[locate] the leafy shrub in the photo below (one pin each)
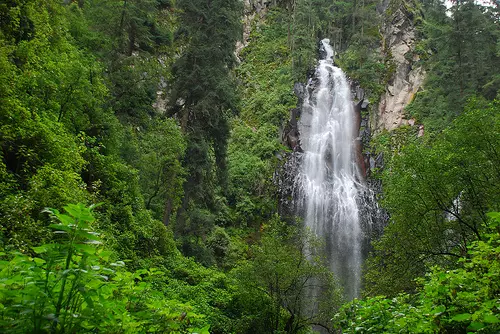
(463, 300)
(71, 286)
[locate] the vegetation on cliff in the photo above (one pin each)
(141, 112)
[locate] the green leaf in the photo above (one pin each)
(494, 215)
(87, 235)
(141, 271)
(439, 310)
(461, 317)
(61, 227)
(105, 254)
(85, 248)
(79, 211)
(491, 319)
(204, 330)
(476, 326)
(118, 264)
(93, 206)
(40, 249)
(65, 219)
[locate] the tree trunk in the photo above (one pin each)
(167, 212)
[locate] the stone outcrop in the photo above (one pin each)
(361, 130)
(252, 9)
(399, 39)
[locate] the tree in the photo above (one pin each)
(160, 171)
(461, 57)
(437, 197)
(203, 96)
(448, 301)
(72, 286)
(299, 291)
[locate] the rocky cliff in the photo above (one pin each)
(252, 9)
(398, 44)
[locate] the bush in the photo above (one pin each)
(71, 286)
(463, 300)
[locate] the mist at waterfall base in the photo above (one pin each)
(328, 189)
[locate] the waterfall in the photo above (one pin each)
(328, 183)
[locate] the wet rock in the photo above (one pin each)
(372, 163)
(365, 104)
(299, 90)
(379, 161)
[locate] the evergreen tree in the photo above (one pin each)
(203, 95)
(461, 57)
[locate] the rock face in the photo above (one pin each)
(399, 41)
(252, 9)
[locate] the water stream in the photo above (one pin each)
(329, 176)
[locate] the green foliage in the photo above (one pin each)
(251, 165)
(203, 97)
(71, 286)
(266, 73)
(390, 144)
(361, 64)
(309, 19)
(354, 36)
(60, 140)
(437, 195)
(130, 26)
(78, 84)
(286, 282)
(382, 315)
(80, 122)
(448, 301)
(160, 170)
(461, 60)
(44, 102)
(266, 93)
(218, 241)
(209, 290)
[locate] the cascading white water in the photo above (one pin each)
(329, 175)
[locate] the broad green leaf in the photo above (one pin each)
(204, 330)
(461, 317)
(105, 254)
(476, 326)
(85, 248)
(141, 271)
(65, 219)
(491, 319)
(118, 264)
(439, 310)
(40, 249)
(61, 227)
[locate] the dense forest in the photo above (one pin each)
(143, 143)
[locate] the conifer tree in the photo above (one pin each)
(203, 94)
